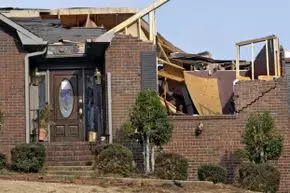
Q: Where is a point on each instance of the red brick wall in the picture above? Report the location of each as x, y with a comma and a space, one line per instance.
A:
11, 92
122, 59
222, 134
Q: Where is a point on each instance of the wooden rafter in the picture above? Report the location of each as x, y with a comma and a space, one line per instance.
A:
163, 52
170, 64
170, 107
138, 16
165, 74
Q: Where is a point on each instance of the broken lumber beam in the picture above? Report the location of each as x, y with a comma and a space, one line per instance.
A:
163, 53
170, 107
170, 64
167, 75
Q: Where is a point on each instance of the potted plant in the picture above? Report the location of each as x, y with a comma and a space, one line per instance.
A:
45, 120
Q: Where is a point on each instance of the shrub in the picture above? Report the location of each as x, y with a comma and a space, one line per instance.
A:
100, 148
258, 177
28, 157
261, 141
171, 166
114, 159
149, 124
213, 173
2, 161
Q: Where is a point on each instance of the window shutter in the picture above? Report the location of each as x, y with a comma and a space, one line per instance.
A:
148, 70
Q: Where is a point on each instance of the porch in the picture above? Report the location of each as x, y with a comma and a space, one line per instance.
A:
73, 87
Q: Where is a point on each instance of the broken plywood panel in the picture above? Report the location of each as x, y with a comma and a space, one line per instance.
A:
204, 93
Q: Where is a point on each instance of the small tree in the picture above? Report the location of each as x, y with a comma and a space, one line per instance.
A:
261, 142
149, 124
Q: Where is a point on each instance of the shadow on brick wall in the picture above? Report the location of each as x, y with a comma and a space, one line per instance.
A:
230, 162
136, 149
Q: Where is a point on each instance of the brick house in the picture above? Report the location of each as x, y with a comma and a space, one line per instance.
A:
73, 78
123, 61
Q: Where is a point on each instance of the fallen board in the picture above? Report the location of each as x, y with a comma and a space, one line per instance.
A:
204, 93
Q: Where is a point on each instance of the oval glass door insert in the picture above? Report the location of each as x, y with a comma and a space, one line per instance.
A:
66, 98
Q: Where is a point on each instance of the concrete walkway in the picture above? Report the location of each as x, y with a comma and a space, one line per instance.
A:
37, 187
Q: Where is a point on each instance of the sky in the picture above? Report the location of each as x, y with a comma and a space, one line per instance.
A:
199, 25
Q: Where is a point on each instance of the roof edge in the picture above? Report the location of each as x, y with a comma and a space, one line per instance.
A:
26, 37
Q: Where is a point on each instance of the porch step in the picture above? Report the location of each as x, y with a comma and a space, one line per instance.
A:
69, 177
70, 172
70, 154
69, 168
73, 173
69, 163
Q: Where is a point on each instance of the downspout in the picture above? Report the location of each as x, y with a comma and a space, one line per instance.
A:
109, 106
27, 96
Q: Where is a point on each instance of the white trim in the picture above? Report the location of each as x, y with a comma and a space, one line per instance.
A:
110, 121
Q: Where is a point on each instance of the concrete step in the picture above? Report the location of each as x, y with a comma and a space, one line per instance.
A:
67, 177
69, 163
71, 172
71, 158
70, 148
68, 153
70, 168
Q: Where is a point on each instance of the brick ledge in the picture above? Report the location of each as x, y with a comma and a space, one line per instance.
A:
214, 117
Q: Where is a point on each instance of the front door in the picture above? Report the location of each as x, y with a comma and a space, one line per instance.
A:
66, 95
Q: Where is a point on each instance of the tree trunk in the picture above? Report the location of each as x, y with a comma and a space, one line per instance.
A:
147, 155
262, 155
144, 155
152, 158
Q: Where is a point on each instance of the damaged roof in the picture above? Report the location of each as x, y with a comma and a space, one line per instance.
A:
52, 31
26, 37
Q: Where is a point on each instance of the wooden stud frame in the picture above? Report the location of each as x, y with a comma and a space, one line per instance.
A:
267, 39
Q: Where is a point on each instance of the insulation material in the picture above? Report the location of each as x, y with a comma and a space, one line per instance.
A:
204, 93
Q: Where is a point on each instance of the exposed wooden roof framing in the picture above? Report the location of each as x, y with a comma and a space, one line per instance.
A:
257, 40
31, 13
136, 19
85, 11
20, 13
268, 40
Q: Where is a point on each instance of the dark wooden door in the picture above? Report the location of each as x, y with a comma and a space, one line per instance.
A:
67, 103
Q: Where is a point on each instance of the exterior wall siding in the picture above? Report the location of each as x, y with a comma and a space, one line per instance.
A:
11, 92
222, 134
122, 59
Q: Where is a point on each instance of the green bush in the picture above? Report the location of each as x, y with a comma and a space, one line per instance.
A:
213, 173
99, 149
114, 159
262, 143
2, 161
258, 177
28, 157
171, 166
